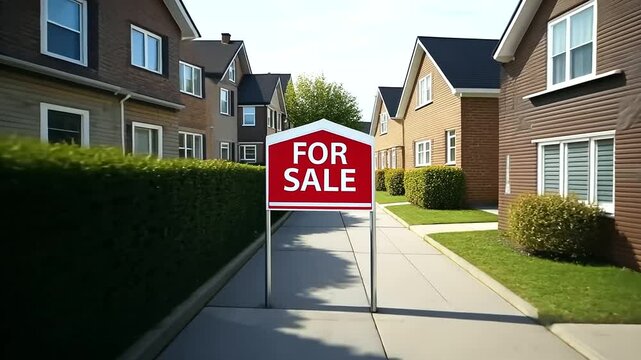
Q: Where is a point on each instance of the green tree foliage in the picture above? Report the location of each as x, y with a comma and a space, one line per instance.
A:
315, 98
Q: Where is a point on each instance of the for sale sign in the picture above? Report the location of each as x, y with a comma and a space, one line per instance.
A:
320, 166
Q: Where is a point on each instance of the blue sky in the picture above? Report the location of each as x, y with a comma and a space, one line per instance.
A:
362, 44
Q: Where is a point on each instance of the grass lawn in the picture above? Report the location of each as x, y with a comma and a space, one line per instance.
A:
415, 215
562, 292
382, 197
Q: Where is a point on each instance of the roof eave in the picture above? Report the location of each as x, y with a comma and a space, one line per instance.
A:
473, 92
178, 11
515, 30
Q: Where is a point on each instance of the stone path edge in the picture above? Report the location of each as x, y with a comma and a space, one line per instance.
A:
155, 340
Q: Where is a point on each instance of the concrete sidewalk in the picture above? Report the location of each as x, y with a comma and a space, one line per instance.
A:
429, 308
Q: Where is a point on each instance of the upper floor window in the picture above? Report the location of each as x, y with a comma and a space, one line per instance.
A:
63, 31
146, 49
232, 72
249, 116
423, 153
190, 145
424, 95
450, 143
59, 124
190, 79
571, 50
384, 117
224, 101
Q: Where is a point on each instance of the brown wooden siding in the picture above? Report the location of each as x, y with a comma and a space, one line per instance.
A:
393, 138
612, 103
155, 115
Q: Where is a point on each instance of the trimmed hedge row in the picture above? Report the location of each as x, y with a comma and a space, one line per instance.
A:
394, 181
554, 226
435, 187
379, 180
98, 247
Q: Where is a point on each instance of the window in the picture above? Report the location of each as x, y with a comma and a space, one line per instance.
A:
279, 125
190, 79
424, 95
190, 146
384, 117
146, 139
376, 167
571, 48
249, 116
60, 124
231, 72
248, 153
146, 49
508, 185
423, 153
581, 167
393, 156
224, 101
63, 30
225, 152
450, 138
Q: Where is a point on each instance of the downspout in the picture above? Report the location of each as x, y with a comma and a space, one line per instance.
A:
122, 121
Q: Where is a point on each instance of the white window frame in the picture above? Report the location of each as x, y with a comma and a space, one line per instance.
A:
245, 123
194, 68
243, 153
44, 19
220, 105
279, 126
225, 145
508, 168
384, 118
269, 118
424, 88
427, 154
591, 139
146, 34
393, 158
185, 134
568, 71
231, 71
135, 124
448, 135
44, 122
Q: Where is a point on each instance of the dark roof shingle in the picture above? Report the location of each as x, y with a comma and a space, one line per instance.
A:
391, 97
467, 63
213, 55
257, 89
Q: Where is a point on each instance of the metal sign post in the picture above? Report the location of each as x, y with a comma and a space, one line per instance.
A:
268, 260
372, 238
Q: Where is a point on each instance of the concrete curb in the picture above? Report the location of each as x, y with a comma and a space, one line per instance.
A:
154, 341
394, 215
575, 343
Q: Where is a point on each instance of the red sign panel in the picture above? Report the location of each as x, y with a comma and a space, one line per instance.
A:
320, 166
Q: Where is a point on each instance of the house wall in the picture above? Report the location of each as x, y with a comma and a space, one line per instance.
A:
223, 128
155, 115
392, 139
431, 121
108, 42
612, 103
479, 149
193, 118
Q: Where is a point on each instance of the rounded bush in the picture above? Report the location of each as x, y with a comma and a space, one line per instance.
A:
435, 187
394, 181
379, 180
554, 226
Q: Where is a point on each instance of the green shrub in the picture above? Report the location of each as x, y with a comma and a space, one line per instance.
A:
394, 181
379, 180
435, 187
99, 247
554, 226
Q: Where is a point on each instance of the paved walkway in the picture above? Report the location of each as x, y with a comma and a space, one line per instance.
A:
429, 307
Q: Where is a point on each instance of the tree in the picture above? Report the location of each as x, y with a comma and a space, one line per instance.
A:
314, 98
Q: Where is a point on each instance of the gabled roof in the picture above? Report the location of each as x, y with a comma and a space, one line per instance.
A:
258, 89
364, 126
516, 28
179, 12
284, 80
391, 96
465, 64
216, 56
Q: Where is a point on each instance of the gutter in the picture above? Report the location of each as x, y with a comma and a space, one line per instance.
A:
122, 121
81, 80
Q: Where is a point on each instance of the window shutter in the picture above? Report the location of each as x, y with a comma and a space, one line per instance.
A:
578, 163
551, 169
604, 170
232, 107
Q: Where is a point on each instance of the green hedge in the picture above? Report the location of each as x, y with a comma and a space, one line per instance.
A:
554, 226
379, 180
394, 181
98, 247
435, 187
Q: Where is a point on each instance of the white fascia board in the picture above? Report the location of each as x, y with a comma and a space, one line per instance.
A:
322, 124
374, 121
187, 27
472, 92
516, 29
242, 45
